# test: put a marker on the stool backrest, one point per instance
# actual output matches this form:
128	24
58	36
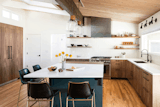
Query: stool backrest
36	67
22	73
79	90
39	90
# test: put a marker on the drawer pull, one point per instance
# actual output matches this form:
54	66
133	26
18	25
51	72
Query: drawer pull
145	89
145	78
145	73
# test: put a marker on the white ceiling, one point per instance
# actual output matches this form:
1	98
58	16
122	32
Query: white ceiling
35	5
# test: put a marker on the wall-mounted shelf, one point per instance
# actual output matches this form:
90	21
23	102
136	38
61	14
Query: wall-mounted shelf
129	48
78	37
127	37
78	47
131	45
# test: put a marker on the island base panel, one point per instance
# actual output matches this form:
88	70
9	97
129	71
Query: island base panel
62	85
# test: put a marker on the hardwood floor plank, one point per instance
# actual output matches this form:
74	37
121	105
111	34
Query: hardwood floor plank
116	93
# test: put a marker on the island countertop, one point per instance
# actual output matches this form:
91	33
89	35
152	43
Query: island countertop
89	71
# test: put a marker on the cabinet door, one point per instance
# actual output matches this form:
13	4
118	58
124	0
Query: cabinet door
8	33
123	69
1	74
17	48
118	69
113	68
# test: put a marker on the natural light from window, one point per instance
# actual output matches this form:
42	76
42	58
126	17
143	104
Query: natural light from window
15	17
152	42
154	46
5	14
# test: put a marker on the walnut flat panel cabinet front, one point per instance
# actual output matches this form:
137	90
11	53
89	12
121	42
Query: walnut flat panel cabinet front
118	69
11	57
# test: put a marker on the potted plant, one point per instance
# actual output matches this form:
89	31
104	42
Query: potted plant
123	54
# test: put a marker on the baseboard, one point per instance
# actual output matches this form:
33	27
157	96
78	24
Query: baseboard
8	82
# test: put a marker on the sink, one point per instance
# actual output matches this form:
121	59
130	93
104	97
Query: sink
140	61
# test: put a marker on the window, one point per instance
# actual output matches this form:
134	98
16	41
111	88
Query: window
15	17
6	14
154	46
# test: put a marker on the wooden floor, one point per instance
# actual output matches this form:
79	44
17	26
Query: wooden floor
116	93
119	93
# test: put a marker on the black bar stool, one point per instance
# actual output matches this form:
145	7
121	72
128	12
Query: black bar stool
36	68
79	90
25	80
41	91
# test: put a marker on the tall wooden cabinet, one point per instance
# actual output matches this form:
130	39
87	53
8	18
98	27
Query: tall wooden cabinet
11	55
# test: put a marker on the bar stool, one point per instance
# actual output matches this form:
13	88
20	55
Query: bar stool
79	90
25	80
36	68
41	91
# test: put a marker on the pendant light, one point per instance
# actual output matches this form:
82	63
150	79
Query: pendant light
72	23
79	31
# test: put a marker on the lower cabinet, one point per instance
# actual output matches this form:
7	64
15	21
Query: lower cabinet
142	83
140	80
118	69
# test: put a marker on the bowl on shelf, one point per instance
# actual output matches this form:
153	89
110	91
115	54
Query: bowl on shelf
86	45
84	35
72	45
79	45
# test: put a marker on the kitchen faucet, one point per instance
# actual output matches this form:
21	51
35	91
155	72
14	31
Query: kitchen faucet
145	54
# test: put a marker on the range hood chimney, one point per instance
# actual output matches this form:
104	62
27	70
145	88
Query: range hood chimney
100	27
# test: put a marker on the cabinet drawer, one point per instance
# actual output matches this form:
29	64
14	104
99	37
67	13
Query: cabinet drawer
146	75
146	98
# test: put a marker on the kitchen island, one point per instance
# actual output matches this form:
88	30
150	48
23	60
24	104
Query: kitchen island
59	80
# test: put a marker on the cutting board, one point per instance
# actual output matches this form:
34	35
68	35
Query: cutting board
76	69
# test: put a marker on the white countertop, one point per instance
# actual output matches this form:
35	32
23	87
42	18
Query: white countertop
148	67
90	71
79	58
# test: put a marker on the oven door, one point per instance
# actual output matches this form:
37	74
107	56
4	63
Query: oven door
107	73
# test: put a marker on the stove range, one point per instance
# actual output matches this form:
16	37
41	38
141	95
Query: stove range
107	65
104	59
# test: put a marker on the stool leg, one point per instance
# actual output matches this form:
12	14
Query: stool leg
52	101
94	99
92	102
60	99
73	102
67	101
19	94
27	103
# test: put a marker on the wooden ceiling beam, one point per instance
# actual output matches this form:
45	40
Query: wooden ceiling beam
71	8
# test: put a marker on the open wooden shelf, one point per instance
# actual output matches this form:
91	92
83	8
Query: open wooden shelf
78	47
78	37
129	48
127	37
132	45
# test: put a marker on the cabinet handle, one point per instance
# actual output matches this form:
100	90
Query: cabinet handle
8	52
11	52
145	78
145	89
145	73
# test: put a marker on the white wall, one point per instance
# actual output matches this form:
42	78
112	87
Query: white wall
46	25
105	46
149	30
122	27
